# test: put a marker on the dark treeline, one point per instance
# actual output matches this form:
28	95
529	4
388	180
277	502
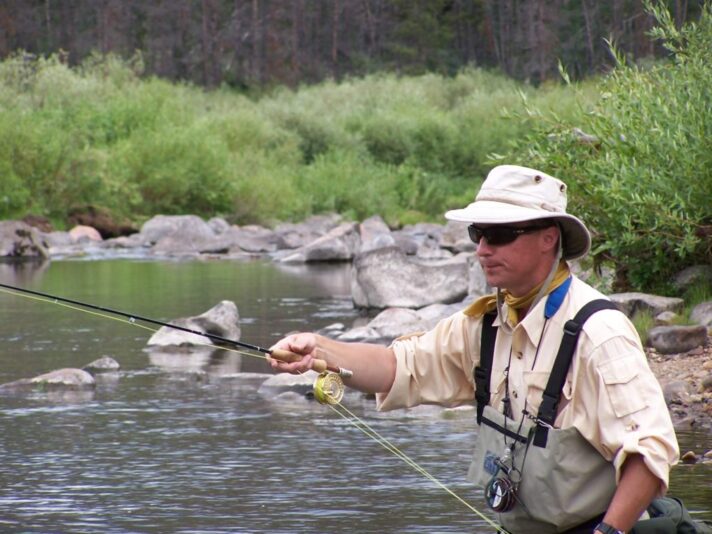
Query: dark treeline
259	43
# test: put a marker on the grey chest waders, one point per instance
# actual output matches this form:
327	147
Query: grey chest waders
537	478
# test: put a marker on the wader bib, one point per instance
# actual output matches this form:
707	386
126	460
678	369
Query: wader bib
562	481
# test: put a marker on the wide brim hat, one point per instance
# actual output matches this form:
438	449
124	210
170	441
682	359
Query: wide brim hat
513	194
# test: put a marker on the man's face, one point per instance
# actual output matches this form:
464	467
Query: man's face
517	256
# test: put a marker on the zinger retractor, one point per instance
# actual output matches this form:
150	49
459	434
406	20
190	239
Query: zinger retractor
329	388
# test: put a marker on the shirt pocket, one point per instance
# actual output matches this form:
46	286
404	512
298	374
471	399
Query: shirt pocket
535	382
623	385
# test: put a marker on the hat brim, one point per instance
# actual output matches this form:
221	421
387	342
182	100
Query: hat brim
577	239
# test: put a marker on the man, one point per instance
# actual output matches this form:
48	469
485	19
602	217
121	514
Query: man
605	452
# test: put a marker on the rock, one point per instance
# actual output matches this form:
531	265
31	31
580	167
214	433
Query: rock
632	303
20	240
689	457
455	238
666	318
375	234
218	225
677	391
405	242
674	339
298	235
253	238
386	278
339	244
181	233
84	233
702	314
477	285
705	384
105	364
68	378
302	384
694	275
220	320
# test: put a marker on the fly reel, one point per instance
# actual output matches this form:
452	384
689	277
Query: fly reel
329	388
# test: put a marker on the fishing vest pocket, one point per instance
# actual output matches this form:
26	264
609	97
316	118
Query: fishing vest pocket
562	485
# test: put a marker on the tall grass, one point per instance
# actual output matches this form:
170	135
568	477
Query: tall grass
406	148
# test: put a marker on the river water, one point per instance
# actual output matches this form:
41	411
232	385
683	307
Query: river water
188	444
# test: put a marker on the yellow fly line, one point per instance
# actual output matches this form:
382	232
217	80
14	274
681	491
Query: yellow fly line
328	390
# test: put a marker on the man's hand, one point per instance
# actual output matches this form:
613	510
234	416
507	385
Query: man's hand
303	344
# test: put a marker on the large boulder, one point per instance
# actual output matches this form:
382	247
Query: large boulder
375	234
220	320
632	303
339	244
19	240
387	278
702	314
676	339
296	235
176	234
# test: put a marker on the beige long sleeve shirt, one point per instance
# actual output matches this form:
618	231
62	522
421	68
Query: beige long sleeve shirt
611	396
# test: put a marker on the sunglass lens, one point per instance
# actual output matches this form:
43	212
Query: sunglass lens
495	235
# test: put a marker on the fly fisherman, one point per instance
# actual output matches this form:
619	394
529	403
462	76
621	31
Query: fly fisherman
579	445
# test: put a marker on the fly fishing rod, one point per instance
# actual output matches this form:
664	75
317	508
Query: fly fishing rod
319	366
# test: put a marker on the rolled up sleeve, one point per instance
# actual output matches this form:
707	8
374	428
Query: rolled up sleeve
435	367
631	414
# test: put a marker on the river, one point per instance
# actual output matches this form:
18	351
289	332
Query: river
188	444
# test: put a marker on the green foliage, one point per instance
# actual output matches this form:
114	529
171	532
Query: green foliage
644	184
406	148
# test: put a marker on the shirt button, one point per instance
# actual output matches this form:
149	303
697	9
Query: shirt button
515	394
519	354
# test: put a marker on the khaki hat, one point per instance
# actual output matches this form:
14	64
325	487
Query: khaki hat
513	194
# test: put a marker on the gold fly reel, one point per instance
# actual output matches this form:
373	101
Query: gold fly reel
329	388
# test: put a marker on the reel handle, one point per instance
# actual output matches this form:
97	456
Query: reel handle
287	356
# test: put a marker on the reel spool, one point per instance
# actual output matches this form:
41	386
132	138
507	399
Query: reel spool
329	388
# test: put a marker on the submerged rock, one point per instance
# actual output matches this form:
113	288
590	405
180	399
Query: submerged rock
68	378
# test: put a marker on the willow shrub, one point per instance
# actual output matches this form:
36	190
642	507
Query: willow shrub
645	185
405	148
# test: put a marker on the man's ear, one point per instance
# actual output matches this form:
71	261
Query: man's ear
551	236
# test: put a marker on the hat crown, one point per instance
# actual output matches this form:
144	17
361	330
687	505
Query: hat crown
521	186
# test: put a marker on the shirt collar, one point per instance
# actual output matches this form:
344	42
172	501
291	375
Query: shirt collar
534	322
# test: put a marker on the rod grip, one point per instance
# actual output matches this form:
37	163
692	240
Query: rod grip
287	356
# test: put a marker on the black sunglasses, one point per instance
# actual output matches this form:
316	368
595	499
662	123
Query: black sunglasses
501	235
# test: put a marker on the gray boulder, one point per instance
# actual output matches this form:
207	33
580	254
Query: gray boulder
105	364
20	240
298	235
220	320
702	314
675	339
632	303
339	244
68	378
694	275
386	278
176	234
302	384
375	234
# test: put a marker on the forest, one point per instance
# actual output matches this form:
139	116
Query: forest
257	44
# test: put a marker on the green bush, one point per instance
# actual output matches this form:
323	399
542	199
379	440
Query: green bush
644	184
406	148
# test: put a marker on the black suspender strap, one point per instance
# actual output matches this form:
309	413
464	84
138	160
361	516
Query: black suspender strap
484	370
552	393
